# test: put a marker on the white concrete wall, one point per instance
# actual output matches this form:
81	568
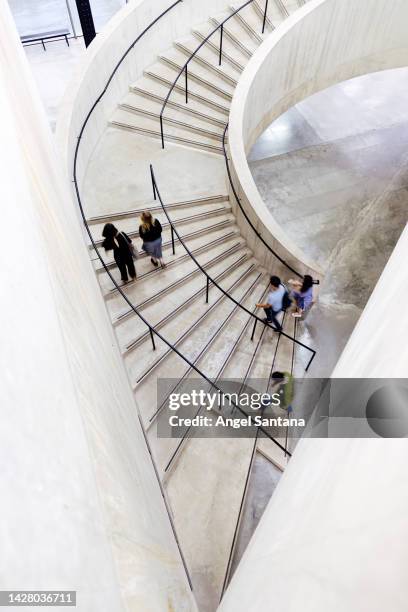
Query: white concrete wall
333	537
81	508
325	42
105	52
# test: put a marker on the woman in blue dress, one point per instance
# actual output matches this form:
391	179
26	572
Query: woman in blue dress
303	294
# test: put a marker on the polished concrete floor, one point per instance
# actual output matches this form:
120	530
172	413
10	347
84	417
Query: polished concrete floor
264	479
333	172
53	68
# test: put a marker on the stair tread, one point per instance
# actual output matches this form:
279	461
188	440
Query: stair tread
136	208
210	56
153	87
151	125
274	14
137	101
198	71
130	328
130	225
238	33
253	21
189	343
168	75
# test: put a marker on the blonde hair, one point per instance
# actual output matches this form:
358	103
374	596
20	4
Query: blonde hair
147	220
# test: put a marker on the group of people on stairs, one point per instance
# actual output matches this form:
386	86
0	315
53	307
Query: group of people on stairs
124	252
280	299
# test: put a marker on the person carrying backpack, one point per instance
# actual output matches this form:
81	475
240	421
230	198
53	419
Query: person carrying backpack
278	299
283	383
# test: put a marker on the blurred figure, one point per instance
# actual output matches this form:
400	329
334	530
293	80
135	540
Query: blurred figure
150	231
283	383
123	251
303	294
274	302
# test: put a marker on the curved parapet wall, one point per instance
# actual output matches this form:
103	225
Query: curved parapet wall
322	536
325	42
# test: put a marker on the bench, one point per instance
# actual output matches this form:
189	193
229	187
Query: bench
54	35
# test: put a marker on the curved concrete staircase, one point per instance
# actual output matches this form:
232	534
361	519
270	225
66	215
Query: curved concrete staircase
204	479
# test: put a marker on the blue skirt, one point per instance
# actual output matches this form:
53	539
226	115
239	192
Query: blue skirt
153	248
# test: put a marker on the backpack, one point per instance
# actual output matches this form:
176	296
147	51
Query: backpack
286	300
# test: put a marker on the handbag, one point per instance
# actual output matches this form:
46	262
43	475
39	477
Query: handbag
131	246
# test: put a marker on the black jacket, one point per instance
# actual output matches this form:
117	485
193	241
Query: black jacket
152	234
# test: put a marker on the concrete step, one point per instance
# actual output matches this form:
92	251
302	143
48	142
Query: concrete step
237	52
250	19
240	39
199	73
142	106
132	332
200	245
196	90
189	337
198	237
208	484
156	208
150	126
190	216
144	292
200	321
227	327
273	15
151	88
175	273
208	57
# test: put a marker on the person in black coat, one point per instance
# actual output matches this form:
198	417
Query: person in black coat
122	248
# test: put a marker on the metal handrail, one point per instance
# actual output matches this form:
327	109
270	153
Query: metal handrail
153	332
246	485
210	280
184	69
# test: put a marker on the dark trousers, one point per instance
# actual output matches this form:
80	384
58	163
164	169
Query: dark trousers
271	316
125	266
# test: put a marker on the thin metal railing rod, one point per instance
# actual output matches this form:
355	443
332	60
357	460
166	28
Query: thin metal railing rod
308	348
264	17
219	373
246	486
240	514
187	372
221	37
214	336
192	56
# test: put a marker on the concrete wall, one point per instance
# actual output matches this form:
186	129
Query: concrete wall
81	507
333	535
323	43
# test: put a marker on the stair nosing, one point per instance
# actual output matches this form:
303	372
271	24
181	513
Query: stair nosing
168	137
134	109
196	77
192	94
143	92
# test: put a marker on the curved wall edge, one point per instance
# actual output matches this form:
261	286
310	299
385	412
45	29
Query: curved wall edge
82	504
308	43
